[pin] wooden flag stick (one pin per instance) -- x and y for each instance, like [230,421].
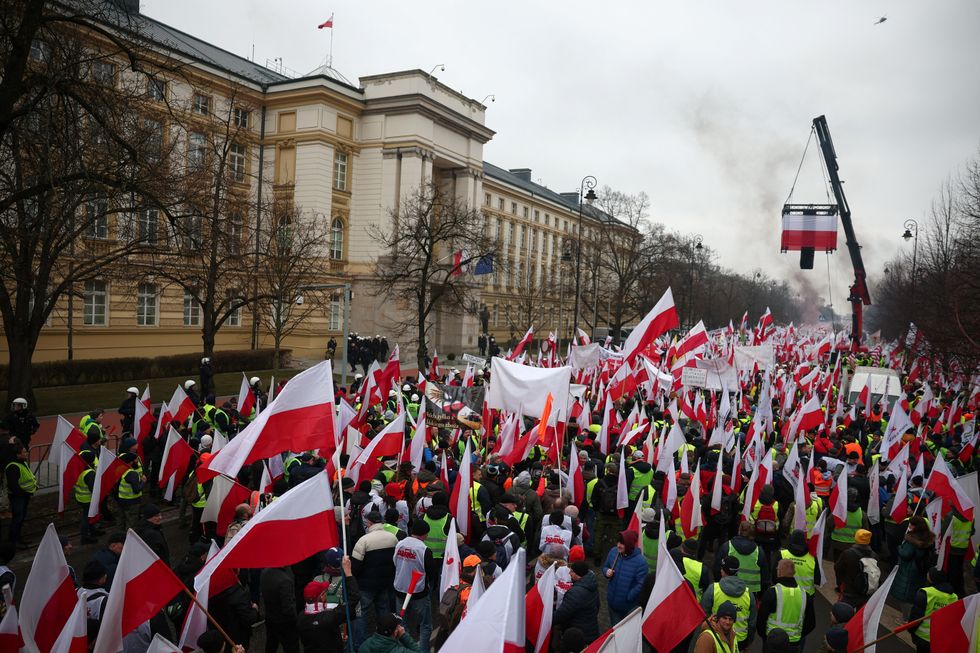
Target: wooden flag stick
[210,618]
[900,629]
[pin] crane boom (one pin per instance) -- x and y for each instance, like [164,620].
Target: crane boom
[859,295]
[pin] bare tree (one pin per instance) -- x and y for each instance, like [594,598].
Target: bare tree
[416,269]
[82,154]
[294,250]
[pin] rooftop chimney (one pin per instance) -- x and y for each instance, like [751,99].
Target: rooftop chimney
[523,173]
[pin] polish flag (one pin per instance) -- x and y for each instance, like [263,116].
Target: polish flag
[74,635]
[958,622]
[434,367]
[496,623]
[694,342]
[299,419]
[815,537]
[922,406]
[525,341]
[181,407]
[451,562]
[246,398]
[72,466]
[691,517]
[608,421]
[142,586]
[160,644]
[388,442]
[226,494]
[838,500]
[624,637]
[716,489]
[328,23]
[176,460]
[900,503]
[297,525]
[865,398]
[459,502]
[142,420]
[944,484]
[66,432]
[576,482]
[539,610]
[670,485]
[863,626]
[196,621]
[458,257]
[622,491]
[107,474]
[636,523]
[761,475]
[10,637]
[661,319]
[583,338]
[417,448]
[810,415]
[49,595]
[672,611]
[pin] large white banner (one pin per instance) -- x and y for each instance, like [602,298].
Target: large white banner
[515,387]
[761,355]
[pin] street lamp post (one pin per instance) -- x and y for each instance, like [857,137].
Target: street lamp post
[912,232]
[696,246]
[589,182]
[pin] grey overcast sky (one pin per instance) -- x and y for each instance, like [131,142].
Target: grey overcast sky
[705,106]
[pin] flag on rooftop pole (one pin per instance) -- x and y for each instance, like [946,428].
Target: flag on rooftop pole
[328,23]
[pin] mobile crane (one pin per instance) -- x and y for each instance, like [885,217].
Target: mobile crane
[859,297]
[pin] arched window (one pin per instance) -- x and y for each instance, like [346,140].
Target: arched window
[337,239]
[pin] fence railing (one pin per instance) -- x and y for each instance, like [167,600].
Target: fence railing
[38,459]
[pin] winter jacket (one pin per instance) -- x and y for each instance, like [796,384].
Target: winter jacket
[767,606]
[233,609]
[153,536]
[279,595]
[580,607]
[320,631]
[624,587]
[383,644]
[850,574]
[707,641]
[372,559]
[744,546]
[915,555]
[734,587]
[109,560]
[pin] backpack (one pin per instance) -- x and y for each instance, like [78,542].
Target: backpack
[727,511]
[607,497]
[870,575]
[766,526]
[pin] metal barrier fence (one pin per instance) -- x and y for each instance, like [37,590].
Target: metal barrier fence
[46,471]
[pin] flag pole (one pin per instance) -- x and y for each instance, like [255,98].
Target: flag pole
[900,629]
[207,614]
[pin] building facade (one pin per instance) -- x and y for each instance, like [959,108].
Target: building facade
[346,154]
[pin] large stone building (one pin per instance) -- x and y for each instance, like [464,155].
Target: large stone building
[347,154]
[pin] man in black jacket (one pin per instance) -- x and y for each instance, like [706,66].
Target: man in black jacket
[279,597]
[235,612]
[580,606]
[151,532]
[326,610]
[127,410]
[791,596]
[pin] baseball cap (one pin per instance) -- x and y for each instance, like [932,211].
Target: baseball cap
[472,561]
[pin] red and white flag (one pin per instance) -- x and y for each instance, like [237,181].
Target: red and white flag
[142,586]
[622,490]
[65,432]
[143,416]
[863,626]
[459,258]
[417,447]
[71,467]
[459,502]
[388,442]
[177,410]
[576,482]
[900,502]
[761,476]
[624,637]
[525,341]
[838,500]
[175,463]
[10,637]
[451,564]
[672,611]
[328,23]
[691,518]
[49,594]
[958,623]
[292,528]
[196,620]
[299,419]
[496,623]
[107,474]
[539,610]
[74,635]
[944,484]
[246,398]
[657,322]
[814,538]
[226,495]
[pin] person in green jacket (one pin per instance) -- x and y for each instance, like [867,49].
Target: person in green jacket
[390,637]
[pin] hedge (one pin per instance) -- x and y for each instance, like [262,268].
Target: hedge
[109,370]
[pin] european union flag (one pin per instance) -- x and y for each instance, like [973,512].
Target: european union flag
[484,265]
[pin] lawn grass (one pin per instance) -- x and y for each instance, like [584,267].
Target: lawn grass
[63,400]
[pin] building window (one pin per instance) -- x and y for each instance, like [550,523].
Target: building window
[40,51]
[523,235]
[337,239]
[234,232]
[487,200]
[147,225]
[534,240]
[500,230]
[537,215]
[98,220]
[525,213]
[513,208]
[510,233]
[235,317]
[238,154]
[154,139]
[193,235]
[547,219]
[95,300]
[500,204]
[496,315]
[192,310]
[202,104]
[156,89]
[146,305]
[566,226]
[104,72]
[196,150]
[336,313]
[340,171]
[241,118]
